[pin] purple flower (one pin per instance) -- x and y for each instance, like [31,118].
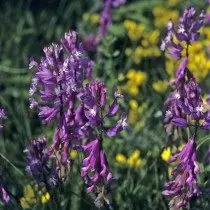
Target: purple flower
[4,195]
[90,42]
[117,3]
[95,167]
[185,104]
[2,116]
[118,127]
[38,160]
[187,31]
[184,184]
[57,76]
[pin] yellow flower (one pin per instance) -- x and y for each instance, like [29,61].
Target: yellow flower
[163,15]
[28,198]
[134,160]
[134,29]
[45,197]
[120,158]
[160,86]
[94,18]
[166,154]
[24,203]
[133,104]
[136,77]
[73,154]
[135,154]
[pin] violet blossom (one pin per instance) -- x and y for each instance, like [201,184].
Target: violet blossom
[65,93]
[4,195]
[91,41]
[96,163]
[187,31]
[39,166]
[2,116]
[184,184]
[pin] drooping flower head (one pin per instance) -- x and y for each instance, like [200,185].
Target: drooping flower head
[184,184]
[95,167]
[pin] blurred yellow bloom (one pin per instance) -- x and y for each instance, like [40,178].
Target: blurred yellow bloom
[160,86]
[94,18]
[120,158]
[134,159]
[163,15]
[45,197]
[166,154]
[133,104]
[136,77]
[172,3]
[28,198]
[135,30]
[136,112]
[73,154]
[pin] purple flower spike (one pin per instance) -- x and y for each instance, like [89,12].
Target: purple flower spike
[96,163]
[184,184]
[187,31]
[4,195]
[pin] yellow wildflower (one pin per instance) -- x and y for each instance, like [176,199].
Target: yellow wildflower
[134,29]
[28,198]
[160,86]
[94,18]
[166,154]
[163,15]
[73,154]
[120,158]
[133,104]
[45,197]
[134,160]
[136,77]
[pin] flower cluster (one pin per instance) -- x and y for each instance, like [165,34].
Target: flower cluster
[133,161]
[184,108]
[184,184]
[65,93]
[187,31]
[135,79]
[38,161]
[32,196]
